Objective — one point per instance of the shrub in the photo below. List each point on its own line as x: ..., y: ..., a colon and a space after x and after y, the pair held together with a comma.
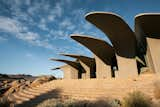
x: 137, y: 99
x: 4, y: 102
x: 78, y: 103
x: 157, y: 89
x: 49, y: 103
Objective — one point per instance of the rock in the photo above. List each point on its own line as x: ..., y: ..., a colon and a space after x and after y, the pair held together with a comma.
x: 9, y: 87
x: 15, y: 83
x: 42, y: 80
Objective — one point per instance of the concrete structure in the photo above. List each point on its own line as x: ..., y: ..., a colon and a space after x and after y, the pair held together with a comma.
x: 122, y: 38
x: 103, y: 53
x: 73, y: 70
x: 87, y: 63
x: 69, y: 71
x: 148, y: 34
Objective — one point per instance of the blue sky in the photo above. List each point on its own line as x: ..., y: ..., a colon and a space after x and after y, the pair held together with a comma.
x: 32, y: 31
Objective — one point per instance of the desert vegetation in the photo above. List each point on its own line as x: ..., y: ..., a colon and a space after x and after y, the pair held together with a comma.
x: 157, y: 89
x: 4, y: 102
x: 137, y: 99
x: 80, y: 103
x: 134, y: 99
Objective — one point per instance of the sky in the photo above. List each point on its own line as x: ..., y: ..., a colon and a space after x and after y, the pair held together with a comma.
x: 33, y: 31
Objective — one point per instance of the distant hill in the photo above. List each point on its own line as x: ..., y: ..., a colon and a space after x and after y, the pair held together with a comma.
x: 17, y: 77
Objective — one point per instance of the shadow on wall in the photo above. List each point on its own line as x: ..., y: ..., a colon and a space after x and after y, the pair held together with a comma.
x: 55, y: 93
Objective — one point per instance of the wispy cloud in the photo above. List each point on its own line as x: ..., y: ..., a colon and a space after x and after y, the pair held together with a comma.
x: 40, y: 23
x: 29, y: 55
x: 9, y: 25
x: 2, y: 39
x: 20, y: 32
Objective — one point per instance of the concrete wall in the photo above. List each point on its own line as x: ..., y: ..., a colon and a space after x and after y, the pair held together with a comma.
x: 111, y: 87
x: 153, y: 54
x: 70, y: 72
x: 127, y: 67
x: 87, y: 69
x: 102, y: 70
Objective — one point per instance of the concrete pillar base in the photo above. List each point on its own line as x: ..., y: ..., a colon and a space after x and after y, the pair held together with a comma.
x: 102, y: 70
x: 70, y: 72
x: 153, y: 54
x: 127, y: 67
x: 87, y: 69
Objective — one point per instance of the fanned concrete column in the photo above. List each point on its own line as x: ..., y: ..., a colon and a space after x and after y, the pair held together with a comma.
x: 122, y: 38
x: 87, y: 69
x: 103, y: 53
x: 147, y: 29
x: 102, y: 70
x: 153, y: 54
x: 73, y: 70
x: 87, y: 63
x: 69, y: 72
x: 126, y: 67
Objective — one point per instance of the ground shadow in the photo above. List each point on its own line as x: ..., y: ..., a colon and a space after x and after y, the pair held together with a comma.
x: 55, y: 93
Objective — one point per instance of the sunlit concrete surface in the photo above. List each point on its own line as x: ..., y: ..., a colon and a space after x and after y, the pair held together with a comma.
x: 87, y: 63
x: 69, y: 72
x: 72, y: 70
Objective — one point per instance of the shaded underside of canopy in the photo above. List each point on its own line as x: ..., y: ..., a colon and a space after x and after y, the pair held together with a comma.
x: 99, y: 47
x: 74, y: 64
x: 118, y: 31
x: 87, y: 60
x: 147, y: 25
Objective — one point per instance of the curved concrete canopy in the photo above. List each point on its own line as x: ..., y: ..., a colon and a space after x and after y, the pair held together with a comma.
x: 118, y: 31
x: 56, y: 68
x: 149, y: 24
x: 99, y: 47
x: 146, y: 25
x: 74, y: 64
x: 87, y: 60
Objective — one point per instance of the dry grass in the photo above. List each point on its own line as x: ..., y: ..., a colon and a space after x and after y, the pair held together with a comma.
x: 4, y: 102
x: 79, y: 103
x: 137, y: 99
x: 157, y: 89
x: 134, y: 99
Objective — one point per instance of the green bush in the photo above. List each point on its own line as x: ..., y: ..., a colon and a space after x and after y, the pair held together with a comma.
x: 137, y: 99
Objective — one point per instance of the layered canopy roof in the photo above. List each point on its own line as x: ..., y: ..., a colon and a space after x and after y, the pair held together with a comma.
x: 118, y: 31
x: 99, y: 47
x: 87, y: 60
x: 74, y: 64
x: 146, y: 25
x: 149, y: 24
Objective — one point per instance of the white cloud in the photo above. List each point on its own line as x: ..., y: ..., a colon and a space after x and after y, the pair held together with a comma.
x: 65, y: 23
x: 2, y: 39
x: 59, y: 34
x: 9, y: 25
x: 21, y: 32
x: 28, y: 36
x: 51, y: 17
x: 58, y: 9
